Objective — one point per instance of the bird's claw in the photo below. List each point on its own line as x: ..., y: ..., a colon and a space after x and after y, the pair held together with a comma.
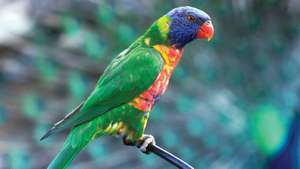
x: 127, y: 141
x: 141, y: 144
x: 145, y: 142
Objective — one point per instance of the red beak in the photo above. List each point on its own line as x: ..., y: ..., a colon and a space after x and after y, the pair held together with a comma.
x: 206, y: 31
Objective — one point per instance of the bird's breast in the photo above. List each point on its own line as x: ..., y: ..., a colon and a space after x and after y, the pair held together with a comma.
x: 147, y: 99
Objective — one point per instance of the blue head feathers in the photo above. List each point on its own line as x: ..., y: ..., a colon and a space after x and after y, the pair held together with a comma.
x: 185, y: 25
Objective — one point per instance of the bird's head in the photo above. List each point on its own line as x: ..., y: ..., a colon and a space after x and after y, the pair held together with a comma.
x: 185, y: 24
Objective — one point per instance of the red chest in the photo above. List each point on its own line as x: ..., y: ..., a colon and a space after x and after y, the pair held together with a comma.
x: 146, y: 100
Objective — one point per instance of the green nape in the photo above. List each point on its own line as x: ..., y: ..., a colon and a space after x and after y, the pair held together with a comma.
x: 158, y: 32
x: 268, y: 129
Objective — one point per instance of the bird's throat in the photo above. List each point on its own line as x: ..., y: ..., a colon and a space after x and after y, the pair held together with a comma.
x: 170, y: 55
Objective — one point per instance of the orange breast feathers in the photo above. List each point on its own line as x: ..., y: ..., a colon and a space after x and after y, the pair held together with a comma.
x: 171, y: 57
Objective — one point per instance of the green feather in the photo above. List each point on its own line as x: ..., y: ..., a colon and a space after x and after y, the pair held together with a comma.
x: 81, y: 135
x: 126, y: 77
x: 158, y: 31
x: 75, y: 142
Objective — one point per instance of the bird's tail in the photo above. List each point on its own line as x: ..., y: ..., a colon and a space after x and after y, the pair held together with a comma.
x: 75, y: 142
x: 64, y: 157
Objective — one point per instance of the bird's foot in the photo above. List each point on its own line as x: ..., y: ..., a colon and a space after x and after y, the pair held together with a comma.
x: 128, y: 142
x: 145, y: 142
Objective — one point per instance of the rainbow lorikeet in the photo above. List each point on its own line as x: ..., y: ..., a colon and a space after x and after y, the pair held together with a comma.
x: 131, y: 85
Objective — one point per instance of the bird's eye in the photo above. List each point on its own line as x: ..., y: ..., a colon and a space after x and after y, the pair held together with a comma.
x: 191, y: 18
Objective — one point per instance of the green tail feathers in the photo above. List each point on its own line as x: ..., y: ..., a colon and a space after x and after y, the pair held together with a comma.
x: 73, y: 145
x: 64, y: 157
x: 78, y: 138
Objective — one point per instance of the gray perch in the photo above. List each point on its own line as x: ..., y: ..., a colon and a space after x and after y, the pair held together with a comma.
x: 171, y: 158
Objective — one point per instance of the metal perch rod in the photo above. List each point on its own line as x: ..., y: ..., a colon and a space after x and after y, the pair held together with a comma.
x: 171, y: 158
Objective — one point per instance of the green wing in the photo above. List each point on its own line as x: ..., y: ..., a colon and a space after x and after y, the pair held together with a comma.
x: 126, y: 78
x: 128, y: 75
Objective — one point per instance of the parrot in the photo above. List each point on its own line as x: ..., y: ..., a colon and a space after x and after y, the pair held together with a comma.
x: 131, y: 85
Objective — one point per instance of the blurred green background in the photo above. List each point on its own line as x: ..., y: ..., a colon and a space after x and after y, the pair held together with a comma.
x: 229, y: 105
